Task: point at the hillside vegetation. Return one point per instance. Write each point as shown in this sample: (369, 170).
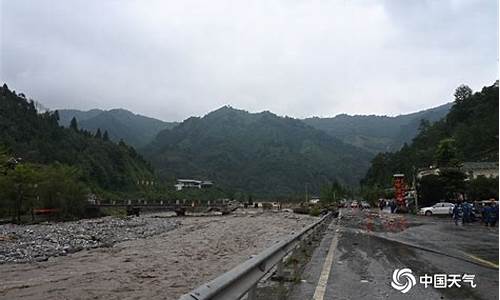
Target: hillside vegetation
(38, 139)
(258, 153)
(469, 131)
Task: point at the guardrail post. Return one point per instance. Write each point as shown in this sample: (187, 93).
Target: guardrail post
(252, 293)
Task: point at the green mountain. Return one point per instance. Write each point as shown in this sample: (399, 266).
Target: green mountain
(65, 115)
(260, 153)
(38, 138)
(134, 129)
(377, 133)
(470, 129)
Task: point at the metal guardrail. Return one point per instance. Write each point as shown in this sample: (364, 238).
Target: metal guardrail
(242, 280)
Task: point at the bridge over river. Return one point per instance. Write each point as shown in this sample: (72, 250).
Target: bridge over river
(178, 206)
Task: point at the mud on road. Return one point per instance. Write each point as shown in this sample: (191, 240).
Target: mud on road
(372, 244)
(163, 266)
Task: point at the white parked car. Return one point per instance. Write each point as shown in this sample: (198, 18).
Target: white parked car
(441, 208)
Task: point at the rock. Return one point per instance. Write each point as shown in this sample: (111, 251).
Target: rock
(33, 243)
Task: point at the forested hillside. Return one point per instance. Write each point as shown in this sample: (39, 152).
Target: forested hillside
(121, 124)
(37, 138)
(469, 132)
(377, 133)
(258, 153)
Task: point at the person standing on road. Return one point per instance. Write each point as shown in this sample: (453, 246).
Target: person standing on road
(457, 212)
(483, 210)
(487, 210)
(467, 210)
(493, 214)
(393, 206)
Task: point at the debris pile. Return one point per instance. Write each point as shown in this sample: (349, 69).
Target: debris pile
(31, 243)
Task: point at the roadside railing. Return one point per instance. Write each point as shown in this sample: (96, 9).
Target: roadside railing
(243, 279)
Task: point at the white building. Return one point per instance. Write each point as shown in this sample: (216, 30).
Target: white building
(471, 169)
(192, 183)
(426, 172)
(475, 169)
(314, 200)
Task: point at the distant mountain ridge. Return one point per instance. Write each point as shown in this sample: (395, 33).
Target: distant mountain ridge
(372, 133)
(377, 133)
(134, 129)
(259, 153)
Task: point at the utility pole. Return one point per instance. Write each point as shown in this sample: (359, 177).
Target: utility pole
(414, 183)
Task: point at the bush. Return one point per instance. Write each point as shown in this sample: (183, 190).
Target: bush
(315, 211)
(301, 210)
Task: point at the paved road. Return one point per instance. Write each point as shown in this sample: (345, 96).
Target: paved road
(361, 250)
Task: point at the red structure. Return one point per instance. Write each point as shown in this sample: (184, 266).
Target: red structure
(400, 190)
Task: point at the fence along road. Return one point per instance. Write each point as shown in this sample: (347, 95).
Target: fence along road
(243, 279)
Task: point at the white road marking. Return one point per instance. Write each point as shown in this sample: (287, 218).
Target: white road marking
(319, 293)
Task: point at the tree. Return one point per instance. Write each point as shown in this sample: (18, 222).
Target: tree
(453, 183)
(430, 190)
(462, 93)
(60, 188)
(4, 158)
(56, 115)
(482, 188)
(371, 194)
(17, 187)
(424, 125)
(332, 193)
(446, 186)
(446, 153)
(73, 124)
(105, 137)
(98, 134)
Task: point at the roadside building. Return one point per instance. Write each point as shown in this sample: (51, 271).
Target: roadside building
(192, 183)
(475, 169)
(471, 169)
(314, 200)
(426, 172)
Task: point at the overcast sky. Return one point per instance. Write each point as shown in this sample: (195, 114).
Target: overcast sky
(175, 59)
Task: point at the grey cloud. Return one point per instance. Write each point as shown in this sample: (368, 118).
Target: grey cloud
(173, 59)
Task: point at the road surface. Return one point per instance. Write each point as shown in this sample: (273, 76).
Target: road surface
(360, 251)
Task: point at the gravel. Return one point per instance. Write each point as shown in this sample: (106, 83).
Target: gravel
(34, 243)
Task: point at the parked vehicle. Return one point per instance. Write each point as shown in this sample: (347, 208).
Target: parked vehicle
(365, 204)
(354, 204)
(441, 208)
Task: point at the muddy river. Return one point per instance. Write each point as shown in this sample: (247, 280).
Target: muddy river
(163, 266)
